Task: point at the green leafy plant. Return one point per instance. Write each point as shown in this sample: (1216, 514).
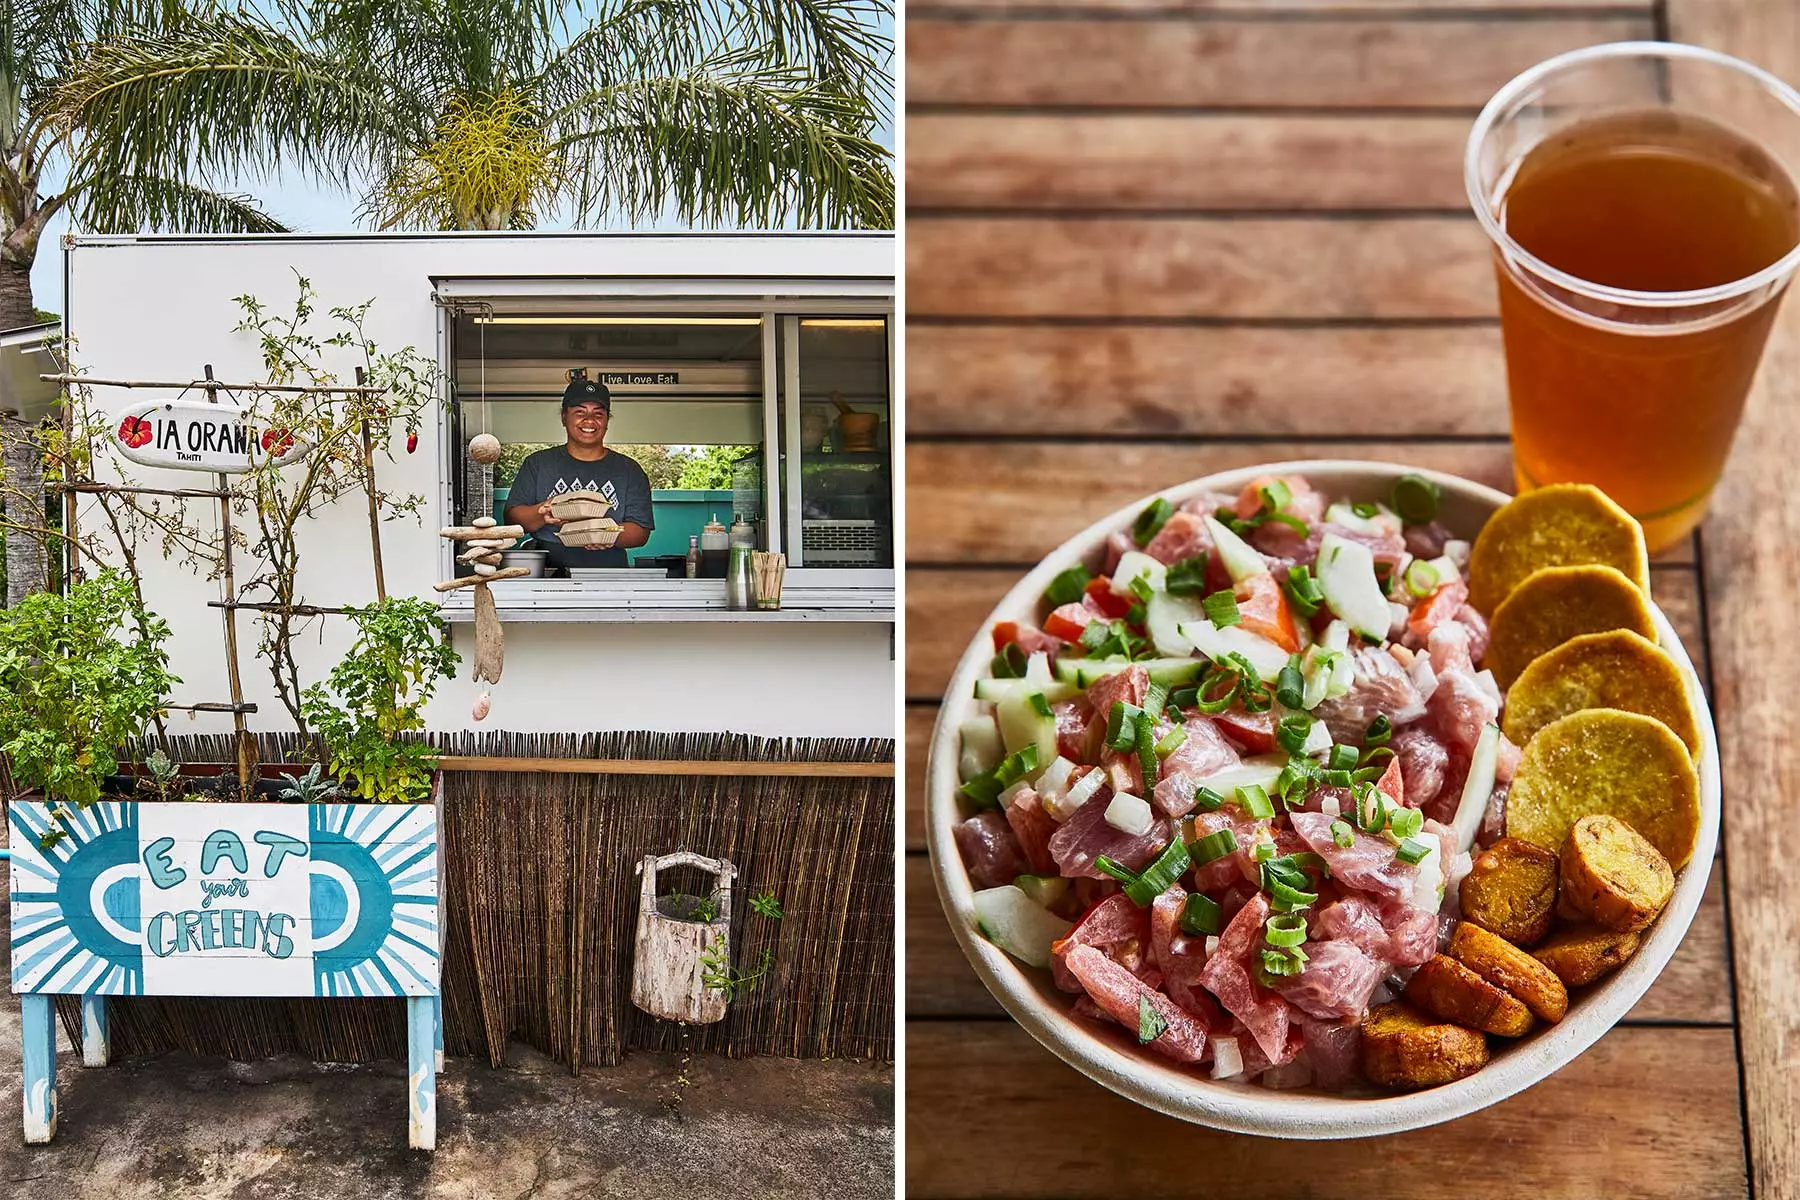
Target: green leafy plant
(310, 788)
(715, 960)
(164, 781)
(80, 674)
(370, 710)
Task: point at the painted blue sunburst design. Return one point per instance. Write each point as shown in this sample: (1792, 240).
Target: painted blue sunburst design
(65, 937)
(387, 946)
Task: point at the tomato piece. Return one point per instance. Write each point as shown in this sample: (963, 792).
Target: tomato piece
(1442, 605)
(1255, 732)
(1263, 610)
(1100, 595)
(1392, 783)
(1069, 621)
(1005, 633)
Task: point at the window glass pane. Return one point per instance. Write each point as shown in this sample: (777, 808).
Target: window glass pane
(845, 509)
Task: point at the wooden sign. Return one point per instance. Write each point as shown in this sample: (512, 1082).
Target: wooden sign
(185, 899)
(192, 435)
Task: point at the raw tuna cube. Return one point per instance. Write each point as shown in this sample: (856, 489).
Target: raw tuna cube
(1368, 865)
(1120, 993)
(1085, 836)
(1114, 926)
(1033, 827)
(1205, 752)
(1335, 982)
(990, 850)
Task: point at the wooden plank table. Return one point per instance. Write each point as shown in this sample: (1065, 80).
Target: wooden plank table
(1150, 239)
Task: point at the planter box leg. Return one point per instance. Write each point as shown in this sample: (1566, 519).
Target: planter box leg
(437, 1028)
(38, 1018)
(421, 1074)
(96, 1038)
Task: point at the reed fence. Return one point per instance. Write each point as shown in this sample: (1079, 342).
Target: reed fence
(539, 907)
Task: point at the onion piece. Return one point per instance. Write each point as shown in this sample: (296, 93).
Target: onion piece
(1228, 1060)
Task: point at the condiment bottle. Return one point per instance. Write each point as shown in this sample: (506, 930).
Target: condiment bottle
(714, 542)
(693, 558)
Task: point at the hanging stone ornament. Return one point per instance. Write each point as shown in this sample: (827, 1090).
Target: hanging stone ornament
(484, 448)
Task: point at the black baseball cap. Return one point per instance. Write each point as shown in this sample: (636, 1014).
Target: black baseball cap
(586, 391)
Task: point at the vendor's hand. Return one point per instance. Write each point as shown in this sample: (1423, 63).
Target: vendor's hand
(544, 513)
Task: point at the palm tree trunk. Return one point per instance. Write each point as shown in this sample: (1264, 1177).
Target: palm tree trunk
(21, 461)
(27, 569)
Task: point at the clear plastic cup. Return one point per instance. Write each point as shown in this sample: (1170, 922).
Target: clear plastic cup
(1614, 381)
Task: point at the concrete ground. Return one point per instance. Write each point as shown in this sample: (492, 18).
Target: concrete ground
(182, 1128)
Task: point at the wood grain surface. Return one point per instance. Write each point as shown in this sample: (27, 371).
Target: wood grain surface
(1152, 239)
(1750, 564)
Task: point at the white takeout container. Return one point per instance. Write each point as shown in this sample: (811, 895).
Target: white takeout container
(1108, 1057)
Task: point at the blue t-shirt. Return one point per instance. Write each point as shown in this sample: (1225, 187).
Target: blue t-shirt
(555, 471)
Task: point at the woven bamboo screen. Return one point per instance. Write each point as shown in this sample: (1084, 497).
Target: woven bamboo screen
(540, 906)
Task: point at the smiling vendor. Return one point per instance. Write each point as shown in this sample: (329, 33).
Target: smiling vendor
(583, 464)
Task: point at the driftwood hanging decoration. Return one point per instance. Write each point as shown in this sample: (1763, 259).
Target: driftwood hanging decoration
(482, 542)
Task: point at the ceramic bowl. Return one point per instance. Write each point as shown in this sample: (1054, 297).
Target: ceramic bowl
(1109, 1058)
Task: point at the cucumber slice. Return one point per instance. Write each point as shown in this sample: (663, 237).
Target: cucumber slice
(1428, 884)
(1264, 655)
(1025, 720)
(1241, 562)
(1037, 667)
(1132, 565)
(1477, 789)
(1024, 929)
(1260, 770)
(1170, 672)
(1163, 616)
(1343, 514)
(1045, 890)
(982, 749)
(1003, 689)
(1346, 573)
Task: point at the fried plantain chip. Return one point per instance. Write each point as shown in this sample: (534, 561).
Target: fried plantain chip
(1603, 760)
(1556, 604)
(1615, 669)
(1559, 525)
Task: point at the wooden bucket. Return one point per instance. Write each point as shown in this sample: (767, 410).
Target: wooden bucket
(668, 974)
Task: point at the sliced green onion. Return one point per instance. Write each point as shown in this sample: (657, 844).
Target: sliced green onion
(1151, 1024)
(1208, 699)
(1255, 801)
(1416, 499)
(1135, 614)
(1293, 523)
(1379, 731)
(1201, 916)
(1365, 510)
(1342, 758)
(1140, 587)
(1121, 725)
(1150, 522)
(1379, 756)
(1277, 495)
(1412, 851)
(1184, 697)
(1096, 634)
(1406, 822)
(1213, 846)
(1290, 685)
(1295, 783)
(1367, 775)
(1156, 697)
(1421, 578)
(1289, 929)
(1039, 705)
(1256, 698)
(1207, 800)
(1342, 834)
(984, 790)
(1289, 899)
(1009, 663)
(1148, 764)
(1115, 868)
(1291, 733)
(1287, 870)
(1370, 813)
(1334, 778)
(1171, 742)
(1068, 586)
(1282, 963)
(1303, 591)
(1221, 609)
(1159, 876)
(1187, 577)
(1261, 851)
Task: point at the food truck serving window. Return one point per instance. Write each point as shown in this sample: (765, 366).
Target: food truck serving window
(635, 444)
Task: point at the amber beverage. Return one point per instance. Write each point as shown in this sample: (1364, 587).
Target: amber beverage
(1642, 251)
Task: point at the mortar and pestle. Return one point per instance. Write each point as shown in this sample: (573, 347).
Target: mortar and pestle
(856, 430)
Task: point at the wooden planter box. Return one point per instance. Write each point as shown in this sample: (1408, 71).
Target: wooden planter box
(146, 898)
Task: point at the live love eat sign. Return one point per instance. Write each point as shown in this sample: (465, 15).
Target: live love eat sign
(193, 435)
(188, 899)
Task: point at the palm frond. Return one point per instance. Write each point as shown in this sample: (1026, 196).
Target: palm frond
(752, 150)
(127, 203)
(225, 93)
